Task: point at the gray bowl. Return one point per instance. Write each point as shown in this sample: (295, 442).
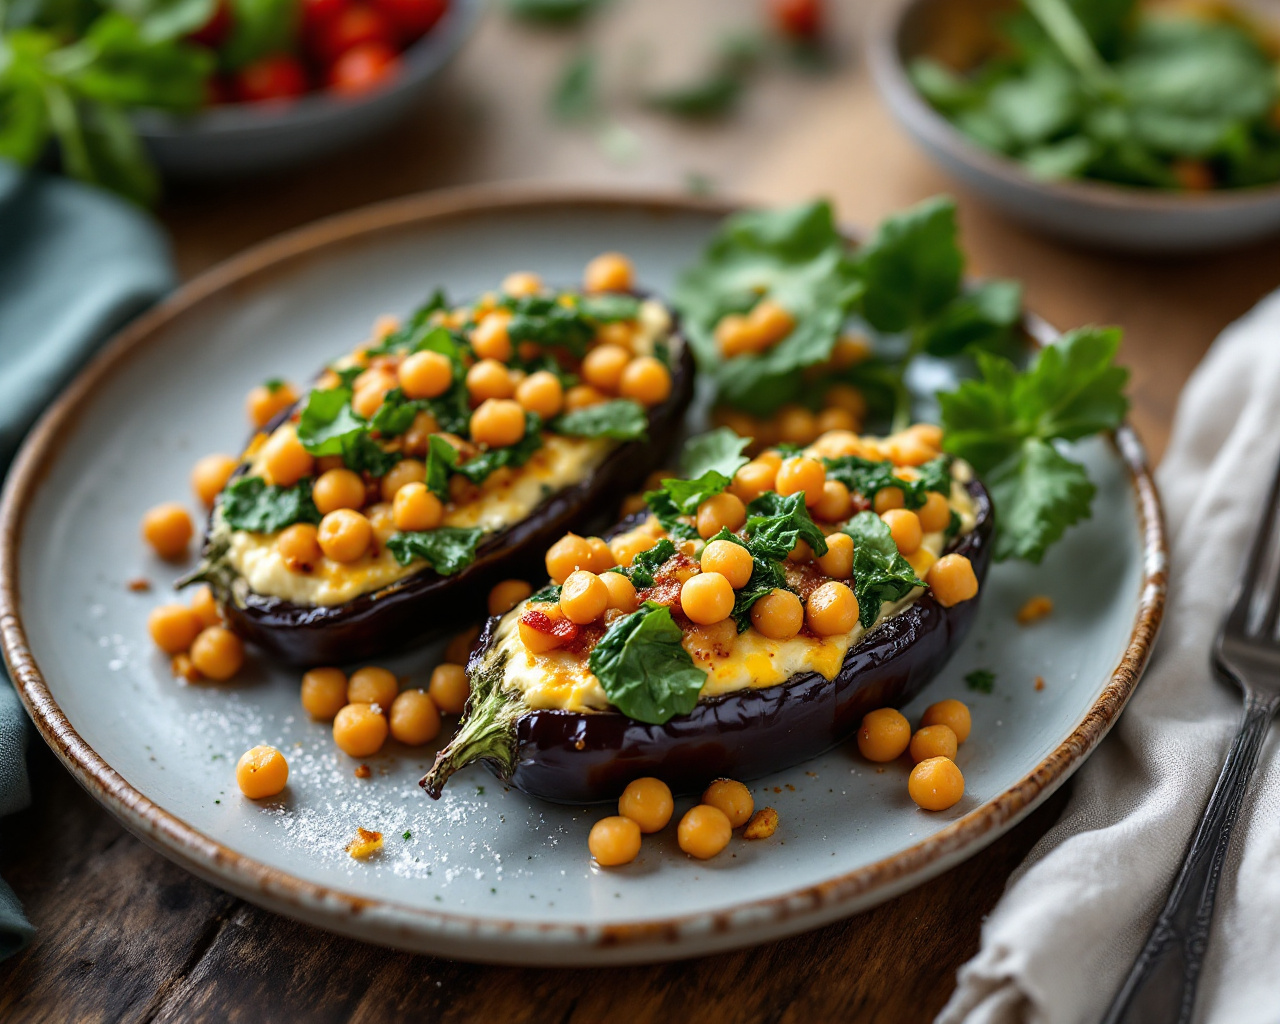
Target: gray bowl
(1096, 213)
(243, 139)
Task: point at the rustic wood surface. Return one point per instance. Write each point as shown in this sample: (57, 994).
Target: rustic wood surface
(126, 935)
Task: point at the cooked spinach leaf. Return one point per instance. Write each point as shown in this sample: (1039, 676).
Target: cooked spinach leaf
(550, 594)
(250, 503)
(447, 549)
(410, 335)
(665, 510)
(867, 477)
(767, 575)
(442, 458)
(644, 669)
(776, 524)
(646, 563)
(396, 413)
(619, 420)
(708, 463)
(880, 573)
(329, 426)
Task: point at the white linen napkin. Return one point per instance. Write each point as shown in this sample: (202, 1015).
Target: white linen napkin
(1074, 915)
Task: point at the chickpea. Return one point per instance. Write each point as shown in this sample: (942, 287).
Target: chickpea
(600, 555)
(952, 580)
(570, 552)
(449, 688)
(583, 396)
(836, 419)
(373, 685)
(182, 668)
(884, 735)
(205, 606)
(458, 650)
(936, 784)
(603, 366)
(416, 508)
(414, 720)
(174, 627)
(921, 561)
(359, 731)
(425, 375)
(299, 546)
(933, 741)
(406, 471)
(908, 450)
(732, 798)
(904, 525)
(849, 398)
(210, 475)
(834, 505)
(418, 436)
(261, 772)
(338, 488)
(267, 401)
(324, 693)
(609, 272)
(704, 831)
(617, 332)
(645, 380)
(736, 336)
(831, 609)
(927, 434)
(647, 802)
(796, 425)
(614, 841)
(217, 653)
(952, 713)
(730, 560)
(498, 423)
(285, 460)
(753, 480)
(801, 554)
(506, 595)
(369, 391)
(889, 498)
(622, 592)
(720, 511)
(584, 597)
(344, 535)
(522, 283)
(771, 321)
(778, 615)
(935, 515)
(541, 392)
(706, 598)
(489, 379)
(771, 458)
(838, 561)
(490, 339)
(801, 473)
(168, 529)
(849, 350)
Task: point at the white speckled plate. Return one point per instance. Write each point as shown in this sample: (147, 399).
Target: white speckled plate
(486, 873)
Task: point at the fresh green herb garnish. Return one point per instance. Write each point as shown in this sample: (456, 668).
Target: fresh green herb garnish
(668, 513)
(620, 419)
(250, 503)
(273, 384)
(646, 563)
(717, 93)
(576, 96)
(447, 549)
(442, 458)
(980, 679)
(406, 834)
(643, 667)
(775, 524)
(1005, 424)
(329, 426)
(556, 12)
(707, 464)
(880, 573)
(867, 478)
(550, 594)
(396, 413)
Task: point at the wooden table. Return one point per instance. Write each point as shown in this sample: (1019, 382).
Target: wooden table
(125, 935)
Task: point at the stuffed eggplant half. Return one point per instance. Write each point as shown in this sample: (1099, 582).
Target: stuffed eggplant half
(756, 612)
(440, 456)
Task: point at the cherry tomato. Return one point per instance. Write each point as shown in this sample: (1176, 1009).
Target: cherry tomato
(317, 13)
(800, 19)
(278, 77)
(213, 33)
(363, 68)
(412, 18)
(353, 26)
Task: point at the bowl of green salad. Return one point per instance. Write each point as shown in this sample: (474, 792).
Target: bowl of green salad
(1148, 127)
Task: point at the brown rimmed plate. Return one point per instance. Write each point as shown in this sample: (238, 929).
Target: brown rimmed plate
(484, 873)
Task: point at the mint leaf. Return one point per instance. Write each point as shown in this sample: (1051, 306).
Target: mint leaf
(619, 420)
(643, 668)
(447, 549)
(250, 503)
(775, 524)
(880, 573)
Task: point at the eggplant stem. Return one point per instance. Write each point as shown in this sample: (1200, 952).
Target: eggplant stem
(487, 732)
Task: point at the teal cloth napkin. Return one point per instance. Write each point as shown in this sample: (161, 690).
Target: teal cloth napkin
(75, 264)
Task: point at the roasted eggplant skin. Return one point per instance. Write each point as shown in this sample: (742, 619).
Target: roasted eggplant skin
(573, 757)
(425, 604)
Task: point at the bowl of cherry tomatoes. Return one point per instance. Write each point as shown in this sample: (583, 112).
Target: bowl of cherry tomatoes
(330, 73)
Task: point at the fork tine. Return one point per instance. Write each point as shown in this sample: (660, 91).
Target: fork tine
(1254, 564)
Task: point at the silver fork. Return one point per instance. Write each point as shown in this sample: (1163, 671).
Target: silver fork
(1161, 986)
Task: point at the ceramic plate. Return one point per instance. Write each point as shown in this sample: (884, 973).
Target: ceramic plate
(486, 873)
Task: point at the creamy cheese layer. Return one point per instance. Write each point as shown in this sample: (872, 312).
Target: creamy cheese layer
(733, 661)
(502, 502)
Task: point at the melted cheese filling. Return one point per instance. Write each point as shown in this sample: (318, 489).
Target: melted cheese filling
(733, 661)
